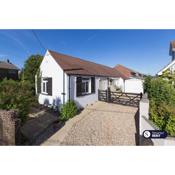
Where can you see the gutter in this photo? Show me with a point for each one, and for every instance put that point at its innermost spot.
(63, 93)
(69, 87)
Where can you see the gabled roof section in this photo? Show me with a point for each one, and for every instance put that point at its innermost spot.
(77, 66)
(8, 65)
(127, 72)
(166, 67)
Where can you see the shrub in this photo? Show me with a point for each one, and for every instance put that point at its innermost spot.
(16, 95)
(162, 101)
(161, 91)
(159, 114)
(147, 83)
(68, 110)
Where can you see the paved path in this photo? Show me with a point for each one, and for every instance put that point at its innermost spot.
(100, 124)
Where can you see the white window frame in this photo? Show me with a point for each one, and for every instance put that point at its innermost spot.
(87, 91)
(44, 83)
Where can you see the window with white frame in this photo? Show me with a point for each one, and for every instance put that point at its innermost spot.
(44, 86)
(85, 86)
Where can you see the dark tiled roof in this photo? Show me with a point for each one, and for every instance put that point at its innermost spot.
(6, 65)
(77, 66)
(127, 72)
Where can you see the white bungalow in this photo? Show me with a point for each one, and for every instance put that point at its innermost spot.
(64, 77)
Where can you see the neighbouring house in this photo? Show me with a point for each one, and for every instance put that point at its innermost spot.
(130, 81)
(8, 70)
(62, 77)
(170, 66)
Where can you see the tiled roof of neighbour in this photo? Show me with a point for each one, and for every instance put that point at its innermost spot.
(77, 66)
(6, 65)
(126, 72)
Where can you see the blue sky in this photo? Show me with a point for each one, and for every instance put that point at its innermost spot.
(144, 50)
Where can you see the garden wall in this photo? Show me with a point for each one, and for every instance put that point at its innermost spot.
(9, 128)
(146, 124)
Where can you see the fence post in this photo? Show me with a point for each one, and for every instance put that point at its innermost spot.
(141, 95)
(98, 95)
(108, 95)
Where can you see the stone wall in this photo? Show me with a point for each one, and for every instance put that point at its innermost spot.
(9, 128)
(146, 124)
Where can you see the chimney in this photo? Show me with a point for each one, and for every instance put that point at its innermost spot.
(8, 61)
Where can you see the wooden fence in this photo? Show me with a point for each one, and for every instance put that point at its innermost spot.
(129, 99)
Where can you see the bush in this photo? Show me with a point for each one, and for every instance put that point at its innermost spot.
(68, 110)
(161, 91)
(159, 114)
(147, 83)
(16, 95)
(170, 126)
(162, 102)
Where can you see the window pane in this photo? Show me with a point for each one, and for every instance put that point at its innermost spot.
(43, 86)
(83, 88)
(46, 86)
(87, 87)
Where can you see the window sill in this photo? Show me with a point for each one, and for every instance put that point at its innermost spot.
(86, 94)
(44, 93)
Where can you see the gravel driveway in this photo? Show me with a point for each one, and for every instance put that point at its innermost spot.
(99, 124)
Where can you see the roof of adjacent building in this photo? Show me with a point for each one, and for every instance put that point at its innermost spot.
(7, 65)
(171, 50)
(166, 67)
(77, 66)
(127, 72)
(172, 43)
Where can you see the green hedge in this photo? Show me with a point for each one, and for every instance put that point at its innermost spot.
(162, 103)
(16, 95)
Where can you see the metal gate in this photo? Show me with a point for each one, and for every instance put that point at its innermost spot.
(128, 99)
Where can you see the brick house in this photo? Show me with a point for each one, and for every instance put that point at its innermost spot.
(8, 70)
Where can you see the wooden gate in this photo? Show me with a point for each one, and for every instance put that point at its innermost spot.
(129, 99)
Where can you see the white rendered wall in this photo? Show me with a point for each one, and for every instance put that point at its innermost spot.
(103, 83)
(119, 82)
(82, 101)
(50, 68)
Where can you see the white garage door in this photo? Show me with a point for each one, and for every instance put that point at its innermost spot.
(134, 86)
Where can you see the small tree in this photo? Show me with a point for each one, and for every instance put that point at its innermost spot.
(31, 67)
